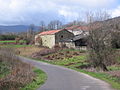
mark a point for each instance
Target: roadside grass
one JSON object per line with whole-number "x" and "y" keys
{"x": 4, "y": 70}
{"x": 15, "y": 74}
{"x": 114, "y": 68}
{"x": 113, "y": 81}
{"x": 40, "y": 79}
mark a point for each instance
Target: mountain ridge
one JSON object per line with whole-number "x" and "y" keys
{"x": 16, "y": 28}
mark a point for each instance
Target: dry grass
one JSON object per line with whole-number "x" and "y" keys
{"x": 20, "y": 73}
{"x": 28, "y": 51}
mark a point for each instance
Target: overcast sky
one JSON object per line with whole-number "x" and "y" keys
{"x": 33, "y": 11}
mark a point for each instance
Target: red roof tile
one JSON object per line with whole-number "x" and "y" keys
{"x": 49, "y": 32}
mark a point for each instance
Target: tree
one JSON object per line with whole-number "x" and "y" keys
{"x": 56, "y": 24}
{"x": 42, "y": 26}
{"x": 51, "y": 25}
{"x": 99, "y": 15}
{"x": 30, "y": 34}
{"x": 31, "y": 31}
{"x": 99, "y": 41}
{"x": 116, "y": 39}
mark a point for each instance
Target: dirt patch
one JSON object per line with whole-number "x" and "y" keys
{"x": 60, "y": 55}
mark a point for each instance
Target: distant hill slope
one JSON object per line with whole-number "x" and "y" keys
{"x": 16, "y": 28}
{"x": 112, "y": 23}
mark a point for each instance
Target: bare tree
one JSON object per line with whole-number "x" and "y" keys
{"x": 115, "y": 39}
{"x": 56, "y": 24}
{"x": 99, "y": 41}
{"x": 31, "y": 31}
{"x": 42, "y": 26}
{"x": 99, "y": 15}
{"x": 30, "y": 34}
{"x": 51, "y": 25}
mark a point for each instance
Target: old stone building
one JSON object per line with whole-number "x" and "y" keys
{"x": 77, "y": 30}
{"x": 52, "y": 37}
{"x": 77, "y": 41}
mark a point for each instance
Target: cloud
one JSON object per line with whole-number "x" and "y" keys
{"x": 32, "y": 11}
{"x": 116, "y": 12}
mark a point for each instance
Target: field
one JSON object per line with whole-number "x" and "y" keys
{"x": 8, "y": 41}
{"x": 27, "y": 50}
{"x": 11, "y": 41}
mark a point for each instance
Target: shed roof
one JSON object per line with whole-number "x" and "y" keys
{"x": 49, "y": 32}
{"x": 77, "y": 37}
{"x": 77, "y": 27}
{"x": 80, "y": 36}
{"x": 72, "y": 27}
{"x": 82, "y": 28}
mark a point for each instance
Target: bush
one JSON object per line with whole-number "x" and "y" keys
{"x": 7, "y": 37}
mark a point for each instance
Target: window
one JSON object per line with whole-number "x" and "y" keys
{"x": 61, "y": 36}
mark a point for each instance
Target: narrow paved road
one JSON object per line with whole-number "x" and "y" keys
{"x": 60, "y": 78}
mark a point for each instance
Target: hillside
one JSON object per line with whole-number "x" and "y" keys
{"x": 15, "y": 28}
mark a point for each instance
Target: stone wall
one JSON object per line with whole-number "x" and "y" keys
{"x": 48, "y": 40}
{"x": 63, "y": 35}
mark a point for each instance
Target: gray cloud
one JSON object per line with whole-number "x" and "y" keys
{"x": 33, "y": 11}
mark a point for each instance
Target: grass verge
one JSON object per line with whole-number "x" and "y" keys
{"x": 4, "y": 70}
{"x": 38, "y": 81}
{"x": 113, "y": 81}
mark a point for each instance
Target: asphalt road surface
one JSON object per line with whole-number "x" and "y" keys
{"x": 60, "y": 78}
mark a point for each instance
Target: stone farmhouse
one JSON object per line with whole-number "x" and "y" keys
{"x": 52, "y": 37}
{"x": 72, "y": 37}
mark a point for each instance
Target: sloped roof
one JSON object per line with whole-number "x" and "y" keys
{"x": 49, "y": 32}
{"x": 77, "y": 27}
{"x": 72, "y": 27}
{"x": 77, "y": 37}
{"x": 82, "y": 28}
{"x": 80, "y": 36}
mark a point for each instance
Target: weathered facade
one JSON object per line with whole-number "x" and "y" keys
{"x": 53, "y": 37}
{"x": 76, "y": 41}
